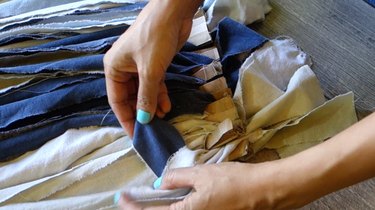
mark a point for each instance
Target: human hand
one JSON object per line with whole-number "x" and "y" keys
{"x": 282, "y": 184}
{"x": 136, "y": 63}
{"x": 223, "y": 186}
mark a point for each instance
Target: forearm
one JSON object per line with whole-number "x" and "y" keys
{"x": 186, "y": 8}
{"x": 344, "y": 160}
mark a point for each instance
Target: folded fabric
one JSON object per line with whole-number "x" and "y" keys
{"x": 243, "y": 11}
{"x": 334, "y": 115}
{"x": 233, "y": 39}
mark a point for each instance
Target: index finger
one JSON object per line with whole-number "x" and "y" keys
{"x": 121, "y": 91}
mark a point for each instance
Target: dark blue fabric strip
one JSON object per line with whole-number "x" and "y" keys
{"x": 42, "y": 86}
{"x": 49, "y": 102}
{"x": 232, "y": 39}
{"x": 371, "y": 2}
{"x": 84, "y": 63}
{"x": 26, "y": 37}
{"x": 156, "y": 142}
{"x": 87, "y": 47}
{"x": 82, "y": 38}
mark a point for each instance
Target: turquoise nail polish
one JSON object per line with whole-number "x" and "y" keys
{"x": 143, "y": 117}
{"x": 157, "y": 183}
{"x": 116, "y": 198}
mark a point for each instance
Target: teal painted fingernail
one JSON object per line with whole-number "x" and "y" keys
{"x": 157, "y": 183}
{"x": 116, "y": 198}
{"x": 143, "y": 117}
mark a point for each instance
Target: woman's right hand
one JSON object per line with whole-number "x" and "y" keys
{"x": 135, "y": 65}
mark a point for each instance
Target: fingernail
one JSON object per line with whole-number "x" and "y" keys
{"x": 116, "y": 198}
{"x": 143, "y": 117}
{"x": 157, "y": 183}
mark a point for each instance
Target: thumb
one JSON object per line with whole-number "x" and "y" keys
{"x": 147, "y": 97}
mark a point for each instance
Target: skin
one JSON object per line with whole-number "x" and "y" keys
{"x": 135, "y": 67}
{"x": 136, "y": 63}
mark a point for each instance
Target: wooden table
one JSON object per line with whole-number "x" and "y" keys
{"x": 339, "y": 35}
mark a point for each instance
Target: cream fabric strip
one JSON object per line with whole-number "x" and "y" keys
{"x": 243, "y": 11}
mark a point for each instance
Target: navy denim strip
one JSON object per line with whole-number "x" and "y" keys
{"x": 188, "y": 101}
{"x": 156, "y": 142}
{"x": 42, "y": 86}
{"x": 55, "y": 100}
{"x": 26, "y": 37}
{"x": 371, "y": 2}
{"x": 24, "y": 142}
{"x": 84, "y": 63}
{"x": 89, "y": 47}
{"x": 185, "y": 96}
{"x": 232, "y": 39}
{"x": 186, "y": 62}
{"x": 99, "y": 107}
{"x": 81, "y": 38}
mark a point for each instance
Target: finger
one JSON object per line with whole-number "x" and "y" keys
{"x": 192, "y": 201}
{"x": 163, "y": 99}
{"x": 127, "y": 203}
{"x": 179, "y": 178}
{"x": 160, "y": 113}
{"x": 148, "y": 91}
{"x": 120, "y": 99}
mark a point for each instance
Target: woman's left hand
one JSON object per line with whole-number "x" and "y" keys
{"x": 222, "y": 186}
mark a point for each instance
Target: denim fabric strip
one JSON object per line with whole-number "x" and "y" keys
{"x": 186, "y": 62}
{"x": 87, "y": 37}
{"x": 25, "y": 37}
{"x": 29, "y": 109}
{"x": 188, "y": 101}
{"x": 85, "y": 63}
{"x": 28, "y": 141}
{"x": 371, "y": 2}
{"x": 42, "y": 86}
{"x": 156, "y": 142}
{"x": 232, "y": 39}
{"x": 185, "y": 96}
{"x": 183, "y": 63}
{"x": 95, "y": 46}
{"x": 100, "y": 107}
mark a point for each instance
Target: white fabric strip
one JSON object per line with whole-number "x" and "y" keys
{"x": 54, "y": 9}
{"x": 243, "y": 11}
